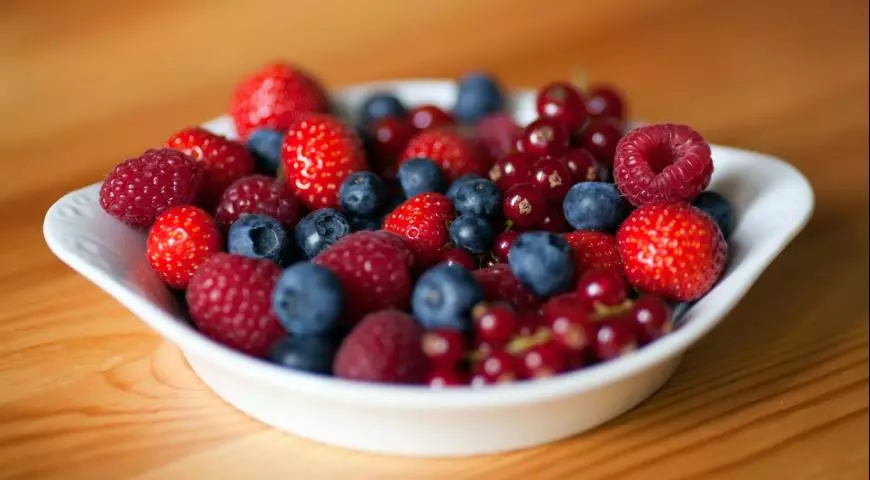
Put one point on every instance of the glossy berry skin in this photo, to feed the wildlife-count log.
(524, 205)
(614, 338)
(498, 366)
(385, 347)
(600, 138)
(362, 194)
(552, 178)
(502, 245)
(180, 240)
(422, 221)
(458, 256)
(594, 251)
(430, 116)
(264, 144)
(672, 250)
(542, 262)
(444, 347)
(137, 190)
(388, 138)
(562, 102)
(479, 95)
(603, 101)
(445, 378)
(554, 220)
(444, 297)
(446, 147)
(607, 287)
(306, 354)
(308, 299)
(500, 285)
(421, 175)
(718, 208)
(544, 136)
(381, 105)
(542, 360)
(653, 318)
(497, 134)
(229, 299)
(664, 163)
(583, 166)
(458, 183)
(478, 197)
(594, 206)
(512, 169)
(529, 322)
(496, 323)
(472, 233)
(260, 195)
(319, 152)
(569, 320)
(320, 229)
(259, 236)
(273, 96)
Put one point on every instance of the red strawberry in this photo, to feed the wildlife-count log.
(137, 190)
(319, 152)
(385, 347)
(259, 194)
(422, 221)
(230, 298)
(225, 161)
(273, 96)
(180, 240)
(373, 268)
(500, 285)
(455, 155)
(594, 250)
(673, 250)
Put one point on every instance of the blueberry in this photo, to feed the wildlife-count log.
(320, 229)
(362, 194)
(719, 209)
(259, 236)
(478, 197)
(381, 105)
(307, 299)
(361, 223)
(454, 187)
(542, 262)
(308, 354)
(594, 206)
(265, 146)
(444, 296)
(479, 95)
(472, 233)
(421, 175)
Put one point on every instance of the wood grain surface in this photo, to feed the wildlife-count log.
(780, 390)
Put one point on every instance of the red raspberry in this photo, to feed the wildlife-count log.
(422, 221)
(225, 161)
(673, 250)
(139, 189)
(272, 98)
(180, 240)
(455, 155)
(259, 194)
(319, 152)
(230, 298)
(594, 251)
(500, 285)
(386, 348)
(662, 163)
(373, 271)
(498, 133)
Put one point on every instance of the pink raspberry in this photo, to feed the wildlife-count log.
(259, 194)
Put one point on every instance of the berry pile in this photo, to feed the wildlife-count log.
(427, 246)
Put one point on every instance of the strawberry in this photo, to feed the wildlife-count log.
(273, 97)
(319, 152)
(500, 285)
(593, 250)
(229, 299)
(259, 194)
(422, 221)
(385, 347)
(224, 160)
(180, 240)
(374, 271)
(673, 250)
(455, 155)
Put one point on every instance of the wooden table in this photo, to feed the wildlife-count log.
(780, 390)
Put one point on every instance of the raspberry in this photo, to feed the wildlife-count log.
(259, 194)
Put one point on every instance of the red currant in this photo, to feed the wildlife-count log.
(653, 318)
(553, 178)
(511, 170)
(583, 166)
(529, 322)
(524, 205)
(604, 101)
(446, 377)
(444, 347)
(605, 286)
(497, 367)
(542, 360)
(554, 220)
(503, 243)
(601, 137)
(615, 338)
(430, 116)
(458, 256)
(563, 103)
(544, 136)
(389, 137)
(571, 324)
(494, 323)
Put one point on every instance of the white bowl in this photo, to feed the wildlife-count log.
(773, 202)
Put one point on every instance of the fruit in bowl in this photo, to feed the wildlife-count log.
(343, 272)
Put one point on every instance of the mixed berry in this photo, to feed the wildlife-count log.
(421, 245)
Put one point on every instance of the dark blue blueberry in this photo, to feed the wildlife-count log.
(719, 209)
(472, 233)
(594, 206)
(362, 194)
(259, 236)
(265, 146)
(479, 95)
(542, 262)
(307, 299)
(320, 229)
(444, 297)
(380, 105)
(421, 175)
(454, 187)
(307, 354)
(360, 223)
(478, 197)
